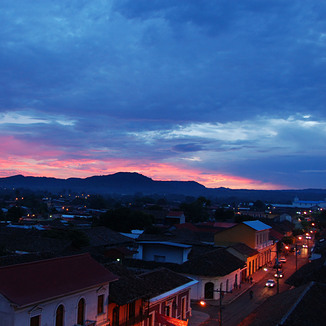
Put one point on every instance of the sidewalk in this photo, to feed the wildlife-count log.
(199, 317)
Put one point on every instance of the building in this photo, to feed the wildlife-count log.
(175, 217)
(246, 254)
(163, 251)
(216, 269)
(72, 290)
(254, 234)
(148, 298)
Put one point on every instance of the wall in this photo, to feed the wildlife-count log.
(47, 309)
(198, 290)
(239, 233)
(124, 313)
(6, 313)
(171, 254)
(174, 301)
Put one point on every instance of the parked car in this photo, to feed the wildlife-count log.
(270, 283)
(282, 260)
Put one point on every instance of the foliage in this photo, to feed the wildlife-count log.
(259, 206)
(196, 211)
(124, 219)
(222, 214)
(15, 213)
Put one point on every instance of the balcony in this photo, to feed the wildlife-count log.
(264, 245)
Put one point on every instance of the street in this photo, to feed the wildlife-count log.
(235, 311)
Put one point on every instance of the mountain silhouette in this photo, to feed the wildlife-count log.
(130, 183)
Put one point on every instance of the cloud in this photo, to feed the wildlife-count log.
(226, 87)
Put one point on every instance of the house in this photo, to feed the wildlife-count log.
(148, 298)
(108, 243)
(175, 217)
(163, 251)
(71, 290)
(308, 204)
(254, 234)
(246, 254)
(169, 297)
(216, 269)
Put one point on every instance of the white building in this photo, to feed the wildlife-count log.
(63, 291)
(163, 251)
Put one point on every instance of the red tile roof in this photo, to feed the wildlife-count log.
(30, 283)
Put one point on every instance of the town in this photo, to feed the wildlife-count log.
(95, 260)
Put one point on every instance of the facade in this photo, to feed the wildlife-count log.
(247, 255)
(215, 270)
(163, 251)
(146, 299)
(175, 217)
(254, 234)
(62, 291)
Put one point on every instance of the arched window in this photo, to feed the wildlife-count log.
(209, 290)
(115, 317)
(236, 281)
(81, 312)
(59, 316)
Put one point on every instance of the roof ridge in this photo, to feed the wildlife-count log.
(45, 260)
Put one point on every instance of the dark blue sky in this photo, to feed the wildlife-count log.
(226, 93)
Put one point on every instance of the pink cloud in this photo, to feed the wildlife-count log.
(28, 158)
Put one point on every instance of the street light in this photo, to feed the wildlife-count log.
(202, 303)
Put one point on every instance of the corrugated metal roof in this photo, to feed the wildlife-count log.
(257, 225)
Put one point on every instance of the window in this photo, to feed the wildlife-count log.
(168, 311)
(183, 308)
(151, 319)
(132, 310)
(59, 316)
(100, 304)
(115, 316)
(35, 321)
(81, 312)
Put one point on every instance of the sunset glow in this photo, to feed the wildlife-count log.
(175, 91)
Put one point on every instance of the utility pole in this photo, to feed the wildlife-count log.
(278, 276)
(296, 257)
(220, 304)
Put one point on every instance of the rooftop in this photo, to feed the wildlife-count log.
(31, 283)
(257, 225)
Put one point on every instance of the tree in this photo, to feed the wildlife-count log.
(196, 211)
(15, 213)
(222, 214)
(124, 219)
(259, 206)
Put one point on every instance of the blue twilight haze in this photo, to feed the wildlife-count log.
(226, 93)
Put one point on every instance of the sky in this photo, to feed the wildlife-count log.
(226, 93)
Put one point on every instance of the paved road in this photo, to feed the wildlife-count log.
(234, 312)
